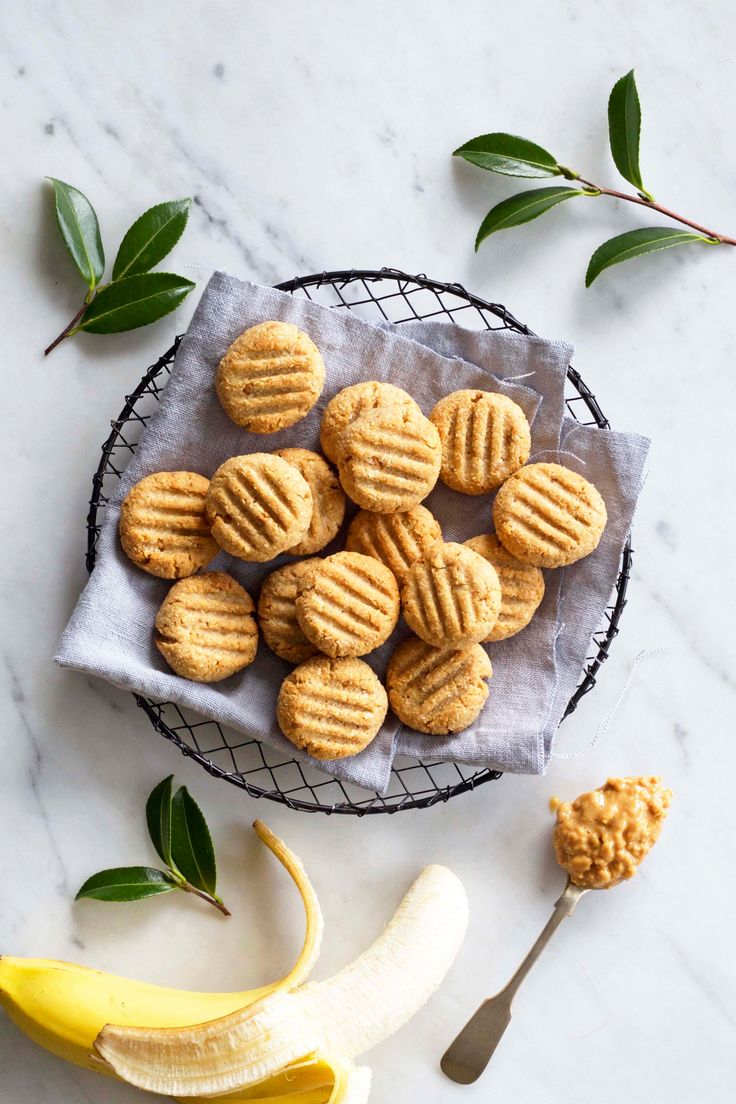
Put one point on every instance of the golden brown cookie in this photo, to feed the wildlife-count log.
(331, 707)
(163, 526)
(437, 690)
(389, 459)
(277, 613)
(205, 628)
(451, 596)
(328, 499)
(258, 506)
(270, 377)
(548, 515)
(485, 437)
(350, 403)
(522, 586)
(348, 604)
(395, 539)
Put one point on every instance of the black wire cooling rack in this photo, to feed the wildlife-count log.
(257, 768)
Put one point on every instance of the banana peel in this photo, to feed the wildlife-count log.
(63, 1007)
(343, 1016)
(284, 1043)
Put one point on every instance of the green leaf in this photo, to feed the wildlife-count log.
(624, 129)
(636, 243)
(134, 301)
(191, 843)
(126, 883)
(523, 207)
(158, 818)
(509, 155)
(151, 237)
(80, 231)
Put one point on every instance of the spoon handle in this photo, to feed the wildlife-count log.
(469, 1054)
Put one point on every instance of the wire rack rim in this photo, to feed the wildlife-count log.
(340, 279)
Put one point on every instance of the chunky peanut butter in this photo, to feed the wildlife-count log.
(601, 837)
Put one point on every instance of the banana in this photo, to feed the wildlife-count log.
(318, 1080)
(343, 1016)
(63, 1007)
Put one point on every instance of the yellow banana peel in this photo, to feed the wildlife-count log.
(63, 1007)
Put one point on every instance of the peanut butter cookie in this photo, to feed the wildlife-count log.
(348, 404)
(331, 707)
(258, 506)
(277, 613)
(270, 377)
(437, 690)
(328, 499)
(163, 525)
(389, 459)
(485, 437)
(348, 604)
(205, 628)
(395, 539)
(548, 515)
(451, 596)
(522, 586)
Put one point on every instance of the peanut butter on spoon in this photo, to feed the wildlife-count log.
(601, 837)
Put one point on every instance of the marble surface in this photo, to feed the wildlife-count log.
(317, 136)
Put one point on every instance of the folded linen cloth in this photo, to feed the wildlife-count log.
(110, 633)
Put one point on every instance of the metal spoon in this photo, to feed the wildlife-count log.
(467, 1057)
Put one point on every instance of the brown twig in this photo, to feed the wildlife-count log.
(722, 239)
(189, 888)
(67, 329)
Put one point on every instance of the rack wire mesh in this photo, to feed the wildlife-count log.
(259, 769)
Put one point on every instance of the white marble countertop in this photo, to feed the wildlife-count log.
(318, 136)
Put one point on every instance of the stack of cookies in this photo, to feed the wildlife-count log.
(325, 614)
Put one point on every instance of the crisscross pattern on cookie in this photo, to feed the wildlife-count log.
(163, 524)
(548, 515)
(331, 707)
(485, 438)
(258, 506)
(205, 628)
(270, 377)
(389, 459)
(348, 604)
(522, 586)
(451, 596)
(437, 690)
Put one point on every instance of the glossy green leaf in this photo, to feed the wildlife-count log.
(509, 155)
(191, 843)
(126, 883)
(624, 129)
(637, 243)
(523, 207)
(80, 231)
(158, 818)
(151, 237)
(133, 302)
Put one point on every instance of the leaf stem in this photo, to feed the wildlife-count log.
(722, 239)
(211, 899)
(66, 332)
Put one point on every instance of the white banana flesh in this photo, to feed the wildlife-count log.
(63, 1007)
(346, 1015)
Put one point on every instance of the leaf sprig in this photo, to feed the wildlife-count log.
(510, 155)
(182, 840)
(134, 296)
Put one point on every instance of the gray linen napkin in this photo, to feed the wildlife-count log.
(110, 631)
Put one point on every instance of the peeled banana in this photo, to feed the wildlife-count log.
(63, 1007)
(285, 1043)
(346, 1015)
